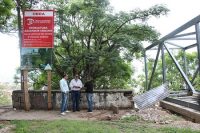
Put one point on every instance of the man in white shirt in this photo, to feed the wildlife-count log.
(75, 85)
(64, 94)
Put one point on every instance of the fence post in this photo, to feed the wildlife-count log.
(48, 69)
(25, 90)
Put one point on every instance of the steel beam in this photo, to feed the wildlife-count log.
(154, 67)
(185, 62)
(190, 46)
(185, 34)
(163, 65)
(164, 48)
(195, 75)
(181, 71)
(173, 44)
(146, 70)
(191, 38)
(198, 43)
(173, 33)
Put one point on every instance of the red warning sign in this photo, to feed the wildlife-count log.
(38, 29)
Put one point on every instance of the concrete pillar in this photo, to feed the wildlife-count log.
(48, 69)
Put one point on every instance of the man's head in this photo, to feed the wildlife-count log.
(65, 76)
(76, 76)
(89, 78)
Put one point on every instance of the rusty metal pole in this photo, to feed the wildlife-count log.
(48, 69)
(25, 90)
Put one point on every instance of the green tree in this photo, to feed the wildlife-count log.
(6, 7)
(95, 42)
(8, 13)
(173, 76)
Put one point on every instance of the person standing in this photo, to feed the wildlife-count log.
(64, 94)
(76, 85)
(89, 94)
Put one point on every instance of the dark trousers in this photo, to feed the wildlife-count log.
(75, 100)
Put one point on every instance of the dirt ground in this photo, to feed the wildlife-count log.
(155, 114)
(164, 117)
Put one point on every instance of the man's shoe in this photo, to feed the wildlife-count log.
(90, 112)
(63, 113)
(67, 111)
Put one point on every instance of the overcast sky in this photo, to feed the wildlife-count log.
(181, 11)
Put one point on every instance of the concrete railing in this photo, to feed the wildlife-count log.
(103, 99)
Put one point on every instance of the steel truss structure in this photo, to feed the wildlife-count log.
(184, 38)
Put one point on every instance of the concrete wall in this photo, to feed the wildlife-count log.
(102, 99)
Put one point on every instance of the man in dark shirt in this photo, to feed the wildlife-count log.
(89, 94)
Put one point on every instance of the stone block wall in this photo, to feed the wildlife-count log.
(102, 99)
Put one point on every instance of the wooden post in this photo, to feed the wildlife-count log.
(49, 90)
(25, 90)
(48, 69)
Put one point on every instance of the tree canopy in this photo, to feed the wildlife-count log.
(6, 14)
(95, 42)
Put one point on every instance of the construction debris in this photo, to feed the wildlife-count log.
(151, 97)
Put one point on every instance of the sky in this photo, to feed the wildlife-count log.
(181, 11)
(9, 57)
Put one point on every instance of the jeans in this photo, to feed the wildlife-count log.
(64, 101)
(89, 97)
(75, 100)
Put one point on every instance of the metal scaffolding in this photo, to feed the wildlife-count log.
(190, 34)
